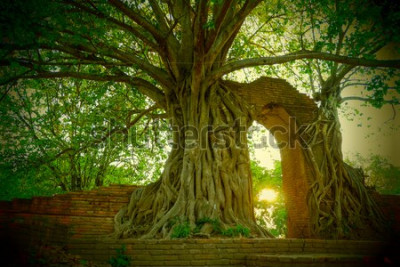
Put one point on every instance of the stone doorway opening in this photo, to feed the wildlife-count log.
(269, 202)
(282, 110)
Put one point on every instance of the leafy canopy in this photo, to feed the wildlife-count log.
(96, 66)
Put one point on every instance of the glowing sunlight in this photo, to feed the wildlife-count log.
(268, 195)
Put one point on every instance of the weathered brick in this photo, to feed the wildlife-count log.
(164, 257)
(69, 227)
(208, 246)
(177, 263)
(248, 245)
(195, 251)
(198, 262)
(147, 263)
(231, 250)
(227, 245)
(220, 262)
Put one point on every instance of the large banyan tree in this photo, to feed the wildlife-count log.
(175, 52)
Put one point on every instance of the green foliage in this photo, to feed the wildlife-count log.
(181, 230)
(350, 28)
(379, 173)
(209, 25)
(25, 183)
(121, 259)
(72, 134)
(238, 230)
(61, 136)
(279, 219)
(273, 216)
(216, 224)
(378, 86)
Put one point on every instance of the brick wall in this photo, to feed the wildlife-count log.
(81, 221)
(82, 210)
(218, 252)
(266, 90)
(61, 218)
(275, 104)
(295, 173)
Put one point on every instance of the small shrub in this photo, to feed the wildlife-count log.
(244, 231)
(181, 230)
(239, 230)
(214, 222)
(120, 260)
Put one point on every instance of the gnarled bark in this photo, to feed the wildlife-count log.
(324, 196)
(207, 174)
(341, 205)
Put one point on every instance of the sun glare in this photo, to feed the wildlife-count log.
(268, 195)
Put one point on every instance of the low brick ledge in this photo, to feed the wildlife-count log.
(230, 252)
(309, 260)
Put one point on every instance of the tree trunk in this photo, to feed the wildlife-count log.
(207, 175)
(340, 204)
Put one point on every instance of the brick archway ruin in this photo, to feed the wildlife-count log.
(282, 110)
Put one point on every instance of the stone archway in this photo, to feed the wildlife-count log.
(282, 110)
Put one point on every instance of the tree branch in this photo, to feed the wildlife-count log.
(103, 49)
(120, 130)
(126, 10)
(365, 99)
(263, 61)
(172, 43)
(120, 24)
(121, 6)
(336, 77)
(28, 63)
(157, 73)
(143, 86)
(230, 29)
(7, 89)
(220, 19)
(160, 16)
(107, 135)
